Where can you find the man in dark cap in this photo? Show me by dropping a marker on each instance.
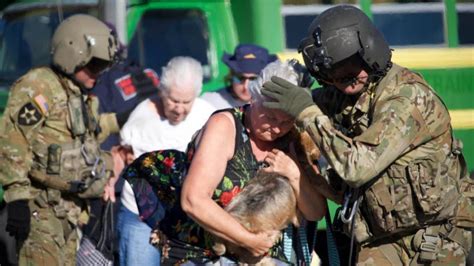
(245, 64)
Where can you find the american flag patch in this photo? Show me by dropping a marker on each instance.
(42, 104)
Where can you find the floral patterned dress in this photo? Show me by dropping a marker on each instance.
(156, 179)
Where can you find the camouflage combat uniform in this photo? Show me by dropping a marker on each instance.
(48, 137)
(393, 146)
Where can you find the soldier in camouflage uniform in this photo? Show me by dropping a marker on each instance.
(388, 136)
(49, 143)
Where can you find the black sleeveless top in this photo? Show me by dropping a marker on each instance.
(181, 238)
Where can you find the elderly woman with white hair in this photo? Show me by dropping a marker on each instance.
(165, 121)
(189, 191)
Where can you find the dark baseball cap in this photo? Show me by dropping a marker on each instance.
(248, 58)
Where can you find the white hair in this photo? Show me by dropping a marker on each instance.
(289, 70)
(180, 72)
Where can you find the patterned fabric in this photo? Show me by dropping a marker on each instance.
(156, 179)
(89, 255)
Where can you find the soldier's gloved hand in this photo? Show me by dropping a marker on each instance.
(77, 186)
(286, 96)
(18, 223)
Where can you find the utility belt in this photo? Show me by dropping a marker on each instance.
(62, 205)
(366, 225)
(425, 244)
(67, 212)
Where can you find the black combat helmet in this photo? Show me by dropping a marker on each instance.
(339, 33)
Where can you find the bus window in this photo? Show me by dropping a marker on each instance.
(164, 34)
(410, 24)
(465, 22)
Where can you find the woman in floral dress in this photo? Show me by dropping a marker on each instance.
(183, 195)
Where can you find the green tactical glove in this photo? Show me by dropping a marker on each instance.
(287, 97)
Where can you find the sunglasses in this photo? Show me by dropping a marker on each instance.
(242, 79)
(344, 80)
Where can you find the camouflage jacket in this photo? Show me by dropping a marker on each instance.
(394, 140)
(38, 119)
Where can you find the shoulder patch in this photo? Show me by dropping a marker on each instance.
(29, 115)
(41, 102)
(126, 87)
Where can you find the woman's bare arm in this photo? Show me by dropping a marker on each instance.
(207, 169)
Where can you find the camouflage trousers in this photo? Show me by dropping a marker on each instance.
(449, 250)
(52, 241)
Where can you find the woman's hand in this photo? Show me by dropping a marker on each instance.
(122, 156)
(259, 244)
(282, 164)
(109, 192)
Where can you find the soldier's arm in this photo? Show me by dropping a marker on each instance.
(15, 157)
(397, 124)
(109, 124)
(23, 115)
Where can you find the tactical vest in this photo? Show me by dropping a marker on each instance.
(405, 198)
(75, 158)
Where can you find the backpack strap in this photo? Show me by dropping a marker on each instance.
(304, 244)
(333, 253)
(288, 242)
